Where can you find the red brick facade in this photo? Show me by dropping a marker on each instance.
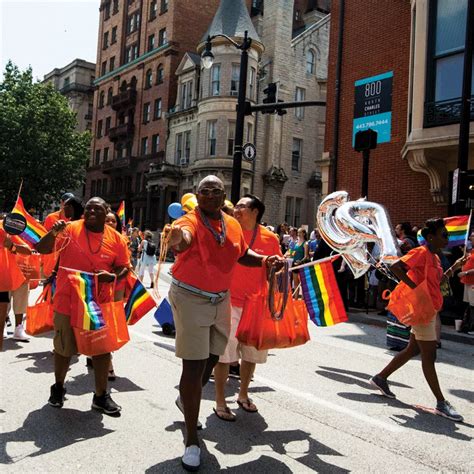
(376, 40)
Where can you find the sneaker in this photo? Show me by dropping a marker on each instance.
(445, 409)
(20, 334)
(179, 404)
(191, 459)
(5, 332)
(56, 399)
(105, 404)
(234, 371)
(381, 384)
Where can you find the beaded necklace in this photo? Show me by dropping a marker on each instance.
(220, 237)
(89, 243)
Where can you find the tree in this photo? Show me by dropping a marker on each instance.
(38, 142)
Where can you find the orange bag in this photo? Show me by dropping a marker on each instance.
(108, 339)
(39, 318)
(30, 267)
(258, 328)
(11, 277)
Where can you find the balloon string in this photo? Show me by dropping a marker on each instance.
(164, 245)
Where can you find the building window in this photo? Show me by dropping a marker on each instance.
(138, 183)
(234, 81)
(104, 184)
(230, 138)
(157, 111)
(107, 125)
(131, 53)
(164, 6)
(151, 42)
(215, 79)
(186, 95)
(90, 109)
(133, 22)
(289, 210)
(106, 154)
(146, 112)
(114, 35)
(160, 75)
(109, 96)
(103, 68)
(299, 97)
(211, 138)
(249, 132)
(162, 37)
(144, 148)
(99, 128)
(310, 61)
(93, 188)
(148, 79)
(97, 157)
(187, 145)
(153, 9)
(116, 7)
(112, 63)
(107, 11)
(179, 148)
(105, 40)
(155, 143)
(297, 217)
(101, 100)
(252, 77)
(296, 154)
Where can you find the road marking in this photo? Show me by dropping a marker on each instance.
(310, 397)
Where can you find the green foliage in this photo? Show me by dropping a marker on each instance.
(38, 142)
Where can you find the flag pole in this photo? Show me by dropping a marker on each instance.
(19, 191)
(467, 233)
(316, 262)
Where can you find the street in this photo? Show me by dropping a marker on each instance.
(316, 410)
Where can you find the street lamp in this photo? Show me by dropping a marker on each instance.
(207, 61)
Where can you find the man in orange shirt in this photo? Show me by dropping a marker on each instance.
(208, 243)
(245, 282)
(96, 248)
(54, 217)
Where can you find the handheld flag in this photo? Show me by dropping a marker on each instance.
(121, 213)
(321, 294)
(457, 227)
(34, 231)
(139, 302)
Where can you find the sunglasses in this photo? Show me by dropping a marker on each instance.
(211, 192)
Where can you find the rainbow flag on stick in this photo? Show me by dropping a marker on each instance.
(121, 213)
(88, 315)
(457, 227)
(321, 294)
(139, 302)
(34, 230)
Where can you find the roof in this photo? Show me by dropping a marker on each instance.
(232, 19)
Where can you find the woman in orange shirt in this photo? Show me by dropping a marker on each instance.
(467, 277)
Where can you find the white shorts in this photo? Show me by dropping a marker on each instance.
(235, 350)
(469, 294)
(146, 266)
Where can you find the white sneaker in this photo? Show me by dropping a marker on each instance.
(179, 404)
(5, 332)
(192, 458)
(20, 334)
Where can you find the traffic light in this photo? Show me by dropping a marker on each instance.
(270, 93)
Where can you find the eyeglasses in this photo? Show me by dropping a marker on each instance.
(241, 206)
(211, 192)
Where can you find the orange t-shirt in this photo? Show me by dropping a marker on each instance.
(247, 280)
(52, 218)
(422, 262)
(469, 265)
(205, 264)
(88, 252)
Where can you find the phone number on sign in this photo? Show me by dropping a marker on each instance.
(372, 124)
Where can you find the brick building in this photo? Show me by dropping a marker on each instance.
(140, 45)
(421, 42)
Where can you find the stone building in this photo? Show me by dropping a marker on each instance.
(290, 42)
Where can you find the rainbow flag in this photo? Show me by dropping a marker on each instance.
(457, 228)
(139, 301)
(121, 213)
(34, 230)
(88, 315)
(321, 294)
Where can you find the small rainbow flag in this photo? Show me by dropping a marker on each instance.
(89, 315)
(321, 294)
(121, 213)
(139, 301)
(457, 228)
(34, 230)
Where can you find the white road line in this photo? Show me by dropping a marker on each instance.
(297, 393)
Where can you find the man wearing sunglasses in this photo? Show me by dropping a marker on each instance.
(209, 244)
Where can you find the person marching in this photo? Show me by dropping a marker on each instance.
(54, 217)
(208, 244)
(245, 282)
(93, 247)
(412, 269)
(147, 248)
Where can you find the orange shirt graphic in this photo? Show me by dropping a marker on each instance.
(88, 252)
(206, 265)
(247, 280)
(52, 218)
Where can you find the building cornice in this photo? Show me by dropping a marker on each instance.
(310, 30)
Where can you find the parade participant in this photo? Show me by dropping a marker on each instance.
(419, 264)
(467, 278)
(208, 243)
(147, 249)
(245, 282)
(96, 248)
(134, 245)
(58, 215)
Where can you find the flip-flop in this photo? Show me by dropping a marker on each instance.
(224, 410)
(247, 402)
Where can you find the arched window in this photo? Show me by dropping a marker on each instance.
(310, 62)
(133, 83)
(160, 74)
(109, 96)
(101, 99)
(123, 86)
(148, 79)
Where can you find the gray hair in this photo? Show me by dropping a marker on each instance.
(211, 179)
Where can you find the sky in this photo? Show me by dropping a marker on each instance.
(47, 34)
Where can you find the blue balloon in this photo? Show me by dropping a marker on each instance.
(175, 210)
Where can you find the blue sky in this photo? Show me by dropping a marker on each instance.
(52, 33)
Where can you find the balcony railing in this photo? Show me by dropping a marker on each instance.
(124, 99)
(121, 131)
(445, 112)
(118, 164)
(76, 87)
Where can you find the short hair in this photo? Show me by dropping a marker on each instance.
(211, 178)
(406, 227)
(256, 203)
(100, 201)
(432, 226)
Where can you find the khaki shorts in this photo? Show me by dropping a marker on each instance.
(20, 299)
(425, 332)
(202, 328)
(235, 350)
(64, 341)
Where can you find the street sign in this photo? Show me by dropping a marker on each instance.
(454, 196)
(249, 152)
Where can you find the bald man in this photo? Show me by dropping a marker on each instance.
(95, 248)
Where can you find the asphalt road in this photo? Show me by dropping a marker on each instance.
(316, 411)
